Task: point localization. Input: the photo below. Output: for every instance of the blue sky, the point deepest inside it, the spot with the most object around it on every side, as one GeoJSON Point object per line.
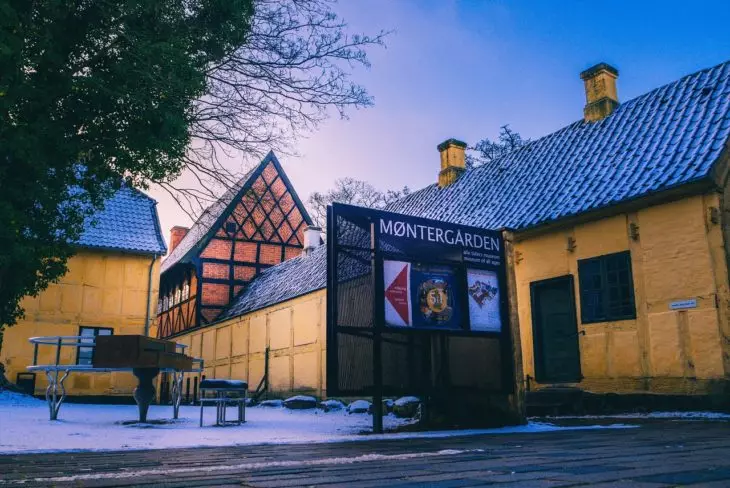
{"type": "Point", "coordinates": [463, 68]}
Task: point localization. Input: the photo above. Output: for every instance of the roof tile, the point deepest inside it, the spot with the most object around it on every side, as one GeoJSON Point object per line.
{"type": "Point", "coordinates": [128, 222]}
{"type": "Point", "coordinates": [668, 137]}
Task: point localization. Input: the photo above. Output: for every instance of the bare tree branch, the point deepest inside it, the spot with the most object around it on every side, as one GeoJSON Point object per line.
{"type": "Point", "coordinates": [353, 192]}
{"type": "Point", "coordinates": [294, 70]}
{"type": "Point", "coordinates": [488, 151]}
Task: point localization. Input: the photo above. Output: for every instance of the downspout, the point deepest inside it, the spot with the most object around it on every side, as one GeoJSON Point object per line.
{"type": "Point", "coordinates": [149, 296]}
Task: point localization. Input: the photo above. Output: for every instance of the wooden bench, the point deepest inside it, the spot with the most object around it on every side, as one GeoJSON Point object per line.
{"type": "Point", "coordinates": [222, 390]}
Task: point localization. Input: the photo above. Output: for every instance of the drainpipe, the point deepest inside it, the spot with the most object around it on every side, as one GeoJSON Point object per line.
{"type": "Point", "coordinates": [149, 296]}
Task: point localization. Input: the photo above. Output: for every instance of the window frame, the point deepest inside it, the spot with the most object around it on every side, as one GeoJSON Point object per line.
{"type": "Point", "coordinates": [604, 288]}
{"type": "Point", "coordinates": [96, 334]}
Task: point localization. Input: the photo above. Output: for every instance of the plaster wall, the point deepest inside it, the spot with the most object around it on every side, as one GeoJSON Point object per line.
{"type": "Point", "coordinates": [100, 289]}
{"type": "Point", "coordinates": [293, 331]}
{"type": "Point", "coordinates": [678, 255]}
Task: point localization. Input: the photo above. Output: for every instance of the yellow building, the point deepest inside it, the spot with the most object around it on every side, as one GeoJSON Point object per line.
{"type": "Point", "coordinates": [620, 245]}
{"type": "Point", "coordinates": [110, 288]}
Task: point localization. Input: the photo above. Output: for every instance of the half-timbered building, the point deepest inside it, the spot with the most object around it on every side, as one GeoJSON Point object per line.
{"type": "Point", "coordinates": [256, 224]}
{"type": "Point", "coordinates": [621, 238]}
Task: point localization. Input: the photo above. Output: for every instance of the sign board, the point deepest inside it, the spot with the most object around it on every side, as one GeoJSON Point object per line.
{"type": "Point", "coordinates": [683, 304]}
{"type": "Point", "coordinates": [414, 306]}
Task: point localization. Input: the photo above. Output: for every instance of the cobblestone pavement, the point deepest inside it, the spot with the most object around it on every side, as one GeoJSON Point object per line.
{"type": "Point", "coordinates": [656, 454]}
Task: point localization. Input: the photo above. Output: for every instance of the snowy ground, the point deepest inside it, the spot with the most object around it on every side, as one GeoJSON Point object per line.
{"type": "Point", "coordinates": [24, 427]}
{"type": "Point", "coordinates": [652, 415]}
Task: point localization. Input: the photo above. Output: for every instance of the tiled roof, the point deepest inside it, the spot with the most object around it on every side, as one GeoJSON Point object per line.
{"type": "Point", "coordinates": [668, 137]}
{"type": "Point", "coordinates": [128, 222]}
{"type": "Point", "coordinates": [290, 279]}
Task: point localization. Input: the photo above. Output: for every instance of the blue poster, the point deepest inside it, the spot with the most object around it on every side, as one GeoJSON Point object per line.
{"type": "Point", "coordinates": [434, 297]}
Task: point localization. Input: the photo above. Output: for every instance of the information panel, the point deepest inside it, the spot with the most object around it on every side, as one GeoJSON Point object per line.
{"type": "Point", "coordinates": [414, 306]}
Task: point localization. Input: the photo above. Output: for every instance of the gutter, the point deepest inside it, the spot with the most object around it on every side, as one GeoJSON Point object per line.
{"type": "Point", "coordinates": [149, 296]}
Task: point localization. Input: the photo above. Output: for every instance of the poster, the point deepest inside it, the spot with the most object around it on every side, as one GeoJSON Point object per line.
{"type": "Point", "coordinates": [483, 291]}
{"type": "Point", "coordinates": [397, 278]}
{"type": "Point", "coordinates": [434, 295]}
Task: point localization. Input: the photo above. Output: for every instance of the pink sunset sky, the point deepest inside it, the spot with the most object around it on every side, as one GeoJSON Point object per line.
{"type": "Point", "coordinates": [464, 68]}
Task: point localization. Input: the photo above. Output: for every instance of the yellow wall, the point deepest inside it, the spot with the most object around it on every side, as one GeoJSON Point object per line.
{"type": "Point", "coordinates": [101, 289]}
{"type": "Point", "coordinates": [294, 332]}
{"type": "Point", "coordinates": [679, 255]}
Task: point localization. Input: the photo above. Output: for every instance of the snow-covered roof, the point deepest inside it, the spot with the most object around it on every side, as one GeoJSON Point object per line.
{"type": "Point", "coordinates": [668, 137]}
{"type": "Point", "coordinates": [664, 139]}
{"type": "Point", "coordinates": [128, 222]}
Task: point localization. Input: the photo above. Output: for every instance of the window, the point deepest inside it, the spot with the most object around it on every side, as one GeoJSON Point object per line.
{"type": "Point", "coordinates": [186, 291]}
{"type": "Point", "coordinates": [165, 303]}
{"type": "Point", "coordinates": [85, 353]}
{"type": "Point", "coordinates": [177, 295]}
{"type": "Point", "coordinates": [606, 288]}
{"type": "Point", "coordinates": [159, 307]}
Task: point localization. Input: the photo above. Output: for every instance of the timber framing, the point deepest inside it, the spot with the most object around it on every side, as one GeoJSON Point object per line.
{"type": "Point", "coordinates": [256, 226]}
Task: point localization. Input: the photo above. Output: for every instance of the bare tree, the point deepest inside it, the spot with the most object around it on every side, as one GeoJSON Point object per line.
{"type": "Point", "coordinates": [293, 71]}
{"type": "Point", "coordinates": [488, 151]}
{"type": "Point", "coordinates": [353, 192]}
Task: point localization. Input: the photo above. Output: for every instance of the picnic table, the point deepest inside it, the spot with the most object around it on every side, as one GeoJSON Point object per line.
{"type": "Point", "coordinates": [57, 372]}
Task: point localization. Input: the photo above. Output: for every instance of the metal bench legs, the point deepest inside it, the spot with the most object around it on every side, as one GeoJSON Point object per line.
{"type": "Point", "coordinates": [221, 402]}
{"type": "Point", "coordinates": [177, 378]}
{"type": "Point", "coordinates": [55, 386]}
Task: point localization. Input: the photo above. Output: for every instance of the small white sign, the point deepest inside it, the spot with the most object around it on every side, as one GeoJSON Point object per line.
{"type": "Point", "coordinates": [681, 304]}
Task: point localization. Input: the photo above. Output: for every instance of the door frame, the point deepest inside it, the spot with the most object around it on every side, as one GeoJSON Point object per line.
{"type": "Point", "coordinates": [537, 339]}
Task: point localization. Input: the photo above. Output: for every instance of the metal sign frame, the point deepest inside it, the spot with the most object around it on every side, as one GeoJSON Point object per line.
{"type": "Point", "coordinates": [452, 256]}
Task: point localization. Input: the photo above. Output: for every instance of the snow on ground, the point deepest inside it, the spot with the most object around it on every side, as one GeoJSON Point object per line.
{"type": "Point", "coordinates": [24, 427]}
{"type": "Point", "coordinates": [652, 415]}
{"type": "Point", "coordinates": [9, 398]}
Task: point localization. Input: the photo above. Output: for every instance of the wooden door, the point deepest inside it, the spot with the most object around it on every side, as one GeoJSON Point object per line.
{"type": "Point", "coordinates": [555, 331]}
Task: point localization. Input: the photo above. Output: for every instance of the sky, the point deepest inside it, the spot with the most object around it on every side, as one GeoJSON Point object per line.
{"type": "Point", "coordinates": [462, 69]}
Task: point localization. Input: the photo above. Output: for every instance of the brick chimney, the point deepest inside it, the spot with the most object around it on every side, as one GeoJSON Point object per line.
{"type": "Point", "coordinates": [453, 161]}
{"type": "Point", "coordinates": [176, 235]}
{"type": "Point", "coordinates": [601, 97]}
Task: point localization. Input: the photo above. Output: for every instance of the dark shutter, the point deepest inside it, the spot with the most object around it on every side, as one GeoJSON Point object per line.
{"type": "Point", "coordinates": [606, 288]}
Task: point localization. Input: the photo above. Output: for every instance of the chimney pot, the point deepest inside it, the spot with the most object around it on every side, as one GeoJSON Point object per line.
{"type": "Point", "coordinates": [312, 238]}
{"type": "Point", "coordinates": [453, 161]}
{"type": "Point", "coordinates": [176, 235]}
{"type": "Point", "coordinates": [600, 88]}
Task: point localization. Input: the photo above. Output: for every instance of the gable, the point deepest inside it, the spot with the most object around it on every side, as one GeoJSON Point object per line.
{"type": "Point", "coordinates": [263, 206]}
{"type": "Point", "coordinates": [265, 212]}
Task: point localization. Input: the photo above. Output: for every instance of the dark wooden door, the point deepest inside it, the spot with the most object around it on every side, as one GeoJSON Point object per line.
{"type": "Point", "coordinates": [555, 331]}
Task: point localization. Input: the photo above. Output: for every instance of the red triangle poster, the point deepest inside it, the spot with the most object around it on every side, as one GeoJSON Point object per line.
{"type": "Point", "coordinates": [397, 279]}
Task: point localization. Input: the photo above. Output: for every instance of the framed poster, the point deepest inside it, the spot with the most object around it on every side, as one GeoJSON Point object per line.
{"type": "Point", "coordinates": [484, 303]}
{"type": "Point", "coordinates": [434, 295]}
{"type": "Point", "coordinates": [397, 280]}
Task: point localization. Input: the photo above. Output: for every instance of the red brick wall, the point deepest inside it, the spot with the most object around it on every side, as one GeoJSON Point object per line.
{"type": "Point", "coordinates": [245, 251]}
{"type": "Point", "coordinates": [244, 273]}
{"type": "Point", "coordinates": [270, 254]}
{"type": "Point", "coordinates": [216, 270]}
{"type": "Point", "coordinates": [267, 222]}
{"type": "Point", "coordinates": [217, 248]}
{"type": "Point", "coordinates": [292, 252]}
{"type": "Point", "coordinates": [215, 294]}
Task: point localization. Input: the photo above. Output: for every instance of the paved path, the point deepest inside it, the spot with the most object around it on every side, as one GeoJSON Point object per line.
{"type": "Point", "coordinates": [660, 453]}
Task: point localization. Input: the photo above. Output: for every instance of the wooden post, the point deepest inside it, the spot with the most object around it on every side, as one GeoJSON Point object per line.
{"type": "Point", "coordinates": [518, 397]}
{"type": "Point", "coordinates": [377, 351]}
